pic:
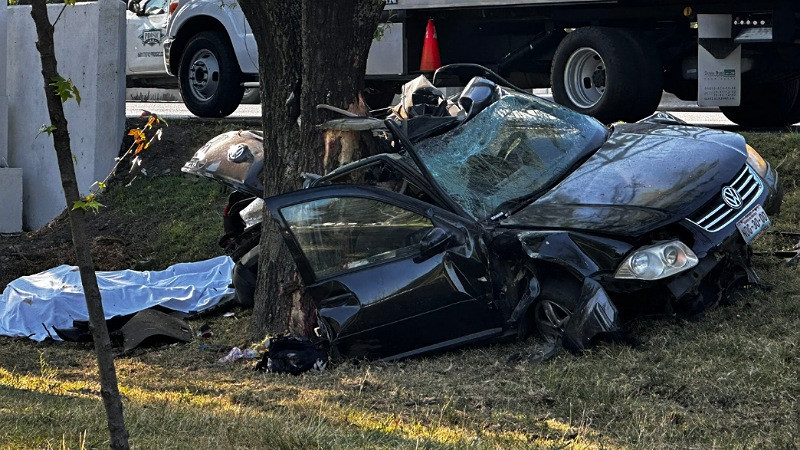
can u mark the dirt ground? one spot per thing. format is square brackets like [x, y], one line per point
[120, 239]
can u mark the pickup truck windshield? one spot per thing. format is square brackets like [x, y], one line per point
[513, 149]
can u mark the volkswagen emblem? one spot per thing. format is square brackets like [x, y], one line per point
[238, 153]
[731, 197]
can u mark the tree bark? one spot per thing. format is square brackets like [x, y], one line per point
[318, 51]
[109, 389]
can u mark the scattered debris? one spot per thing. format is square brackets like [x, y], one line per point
[205, 331]
[294, 355]
[150, 327]
[236, 354]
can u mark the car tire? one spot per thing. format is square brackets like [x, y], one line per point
[209, 76]
[766, 105]
[554, 307]
[607, 73]
[252, 96]
[245, 275]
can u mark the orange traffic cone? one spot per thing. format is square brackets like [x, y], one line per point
[430, 50]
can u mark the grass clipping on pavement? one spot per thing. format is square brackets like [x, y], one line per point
[729, 380]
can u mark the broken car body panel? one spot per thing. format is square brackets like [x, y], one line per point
[235, 158]
[361, 253]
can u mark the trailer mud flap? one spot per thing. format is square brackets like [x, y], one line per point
[719, 62]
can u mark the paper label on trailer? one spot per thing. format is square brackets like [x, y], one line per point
[719, 62]
[719, 80]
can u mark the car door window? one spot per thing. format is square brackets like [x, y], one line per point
[344, 233]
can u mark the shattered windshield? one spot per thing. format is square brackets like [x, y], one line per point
[514, 148]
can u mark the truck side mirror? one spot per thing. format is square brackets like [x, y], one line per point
[133, 6]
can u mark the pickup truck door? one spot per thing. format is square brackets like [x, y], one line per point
[145, 35]
[391, 276]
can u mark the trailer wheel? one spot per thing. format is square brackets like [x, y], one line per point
[766, 105]
[607, 73]
[209, 75]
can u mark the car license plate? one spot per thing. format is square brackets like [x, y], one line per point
[753, 223]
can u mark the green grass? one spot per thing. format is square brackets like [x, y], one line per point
[188, 221]
[729, 380]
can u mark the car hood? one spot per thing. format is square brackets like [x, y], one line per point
[234, 159]
[645, 176]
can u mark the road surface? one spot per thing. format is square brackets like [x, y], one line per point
[708, 117]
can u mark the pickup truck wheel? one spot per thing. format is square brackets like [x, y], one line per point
[766, 105]
[209, 75]
[606, 73]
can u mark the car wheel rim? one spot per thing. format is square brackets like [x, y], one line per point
[204, 75]
[585, 77]
[550, 319]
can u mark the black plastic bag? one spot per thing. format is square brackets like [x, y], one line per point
[292, 355]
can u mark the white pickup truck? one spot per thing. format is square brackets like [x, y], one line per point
[210, 47]
[146, 26]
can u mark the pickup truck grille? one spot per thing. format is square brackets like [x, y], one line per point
[717, 214]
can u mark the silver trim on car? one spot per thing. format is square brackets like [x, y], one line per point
[719, 215]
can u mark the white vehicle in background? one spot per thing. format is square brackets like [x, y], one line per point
[146, 26]
[211, 49]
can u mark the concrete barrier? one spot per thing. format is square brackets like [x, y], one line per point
[10, 200]
[90, 46]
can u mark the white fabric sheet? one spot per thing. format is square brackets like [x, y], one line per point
[54, 298]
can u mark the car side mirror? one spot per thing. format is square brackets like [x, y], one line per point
[435, 241]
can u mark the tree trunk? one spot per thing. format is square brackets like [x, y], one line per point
[316, 51]
[109, 389]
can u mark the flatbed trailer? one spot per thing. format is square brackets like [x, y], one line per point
[613, 58]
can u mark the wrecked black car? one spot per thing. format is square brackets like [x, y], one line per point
[501, 214]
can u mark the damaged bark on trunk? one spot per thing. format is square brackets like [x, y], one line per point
[109, 389]
[309, 53]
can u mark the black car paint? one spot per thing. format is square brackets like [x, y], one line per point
[643, 177]
[414, 302]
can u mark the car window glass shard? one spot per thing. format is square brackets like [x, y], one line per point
[341, 234]
[513, 149]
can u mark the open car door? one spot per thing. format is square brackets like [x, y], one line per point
[392, 276]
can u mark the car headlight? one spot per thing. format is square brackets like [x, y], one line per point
[657, 261]
[755, 161]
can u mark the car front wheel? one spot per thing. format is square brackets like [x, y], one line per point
[554, 307]
[209, 75]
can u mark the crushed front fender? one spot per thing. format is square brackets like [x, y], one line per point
[596, 315]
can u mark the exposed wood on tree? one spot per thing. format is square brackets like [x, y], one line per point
[321, 47]
[109, 389]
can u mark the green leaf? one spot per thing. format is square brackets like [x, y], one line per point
[45, 129]
[86, 205]
[66, 89]
[70, 2]
[75, 91]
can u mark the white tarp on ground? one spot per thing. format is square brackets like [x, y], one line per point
[54, 298]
